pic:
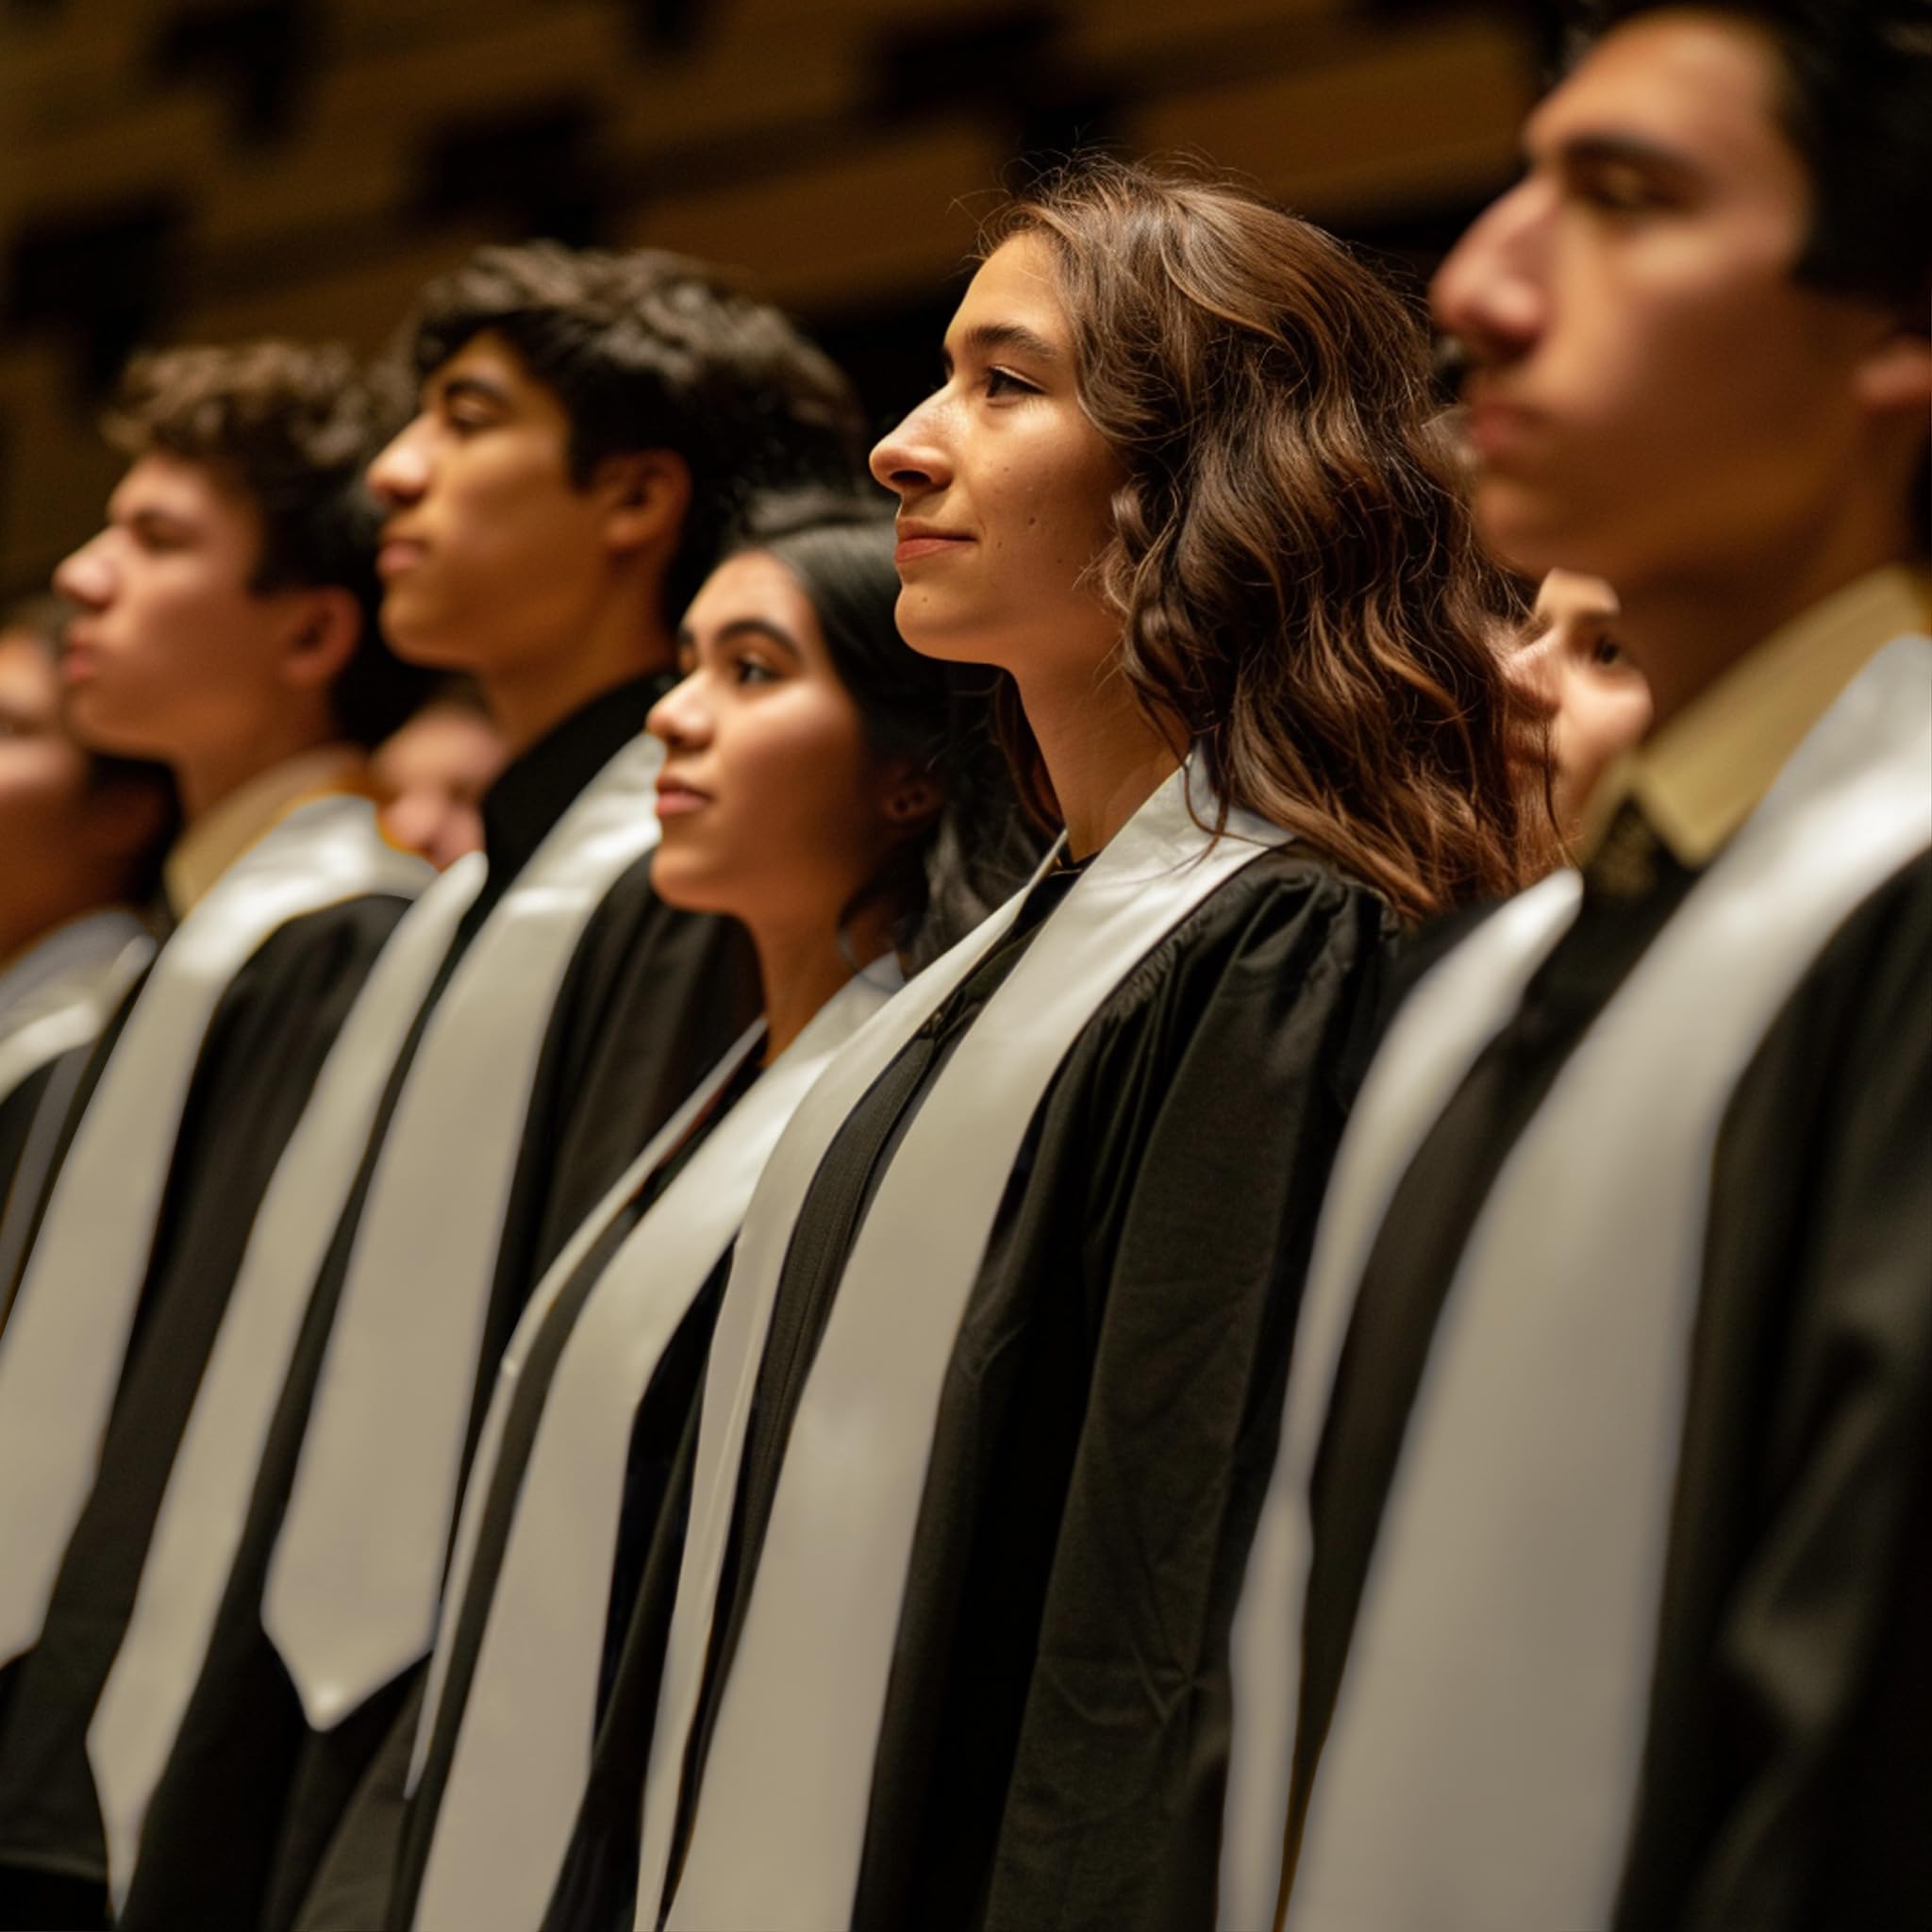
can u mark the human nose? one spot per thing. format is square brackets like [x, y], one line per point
[86, 578]
[912, 459]
[1491, 293]
[682, 717]
[400, 473]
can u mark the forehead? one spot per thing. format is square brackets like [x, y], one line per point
[1571, 596]
[158, 484]
[1014, 288]
[490, 358]
[753, 588]
[1700, 85]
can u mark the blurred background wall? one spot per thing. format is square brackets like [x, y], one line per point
[176, 170]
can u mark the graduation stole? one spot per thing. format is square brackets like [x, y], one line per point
[60, 995]
[357, 1571]
[62, 1350]
[781, 1814]
[528, 1720]
[1492, 1720]
[205, 1505]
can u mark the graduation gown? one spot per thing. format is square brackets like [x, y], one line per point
[250, 1794]
[55, 997]
[1659, 1660]
[267, 1036]
[592, 1401]
[1049, 1749]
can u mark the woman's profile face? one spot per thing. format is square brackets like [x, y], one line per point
[772, 805]
[1005, 488]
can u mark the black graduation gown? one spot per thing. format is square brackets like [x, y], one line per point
[16, 1115]
[266, 1042]
[376, 1866]
[1055, 1731]
[1788, 1754]
[250, 1798]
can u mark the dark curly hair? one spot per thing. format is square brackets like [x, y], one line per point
[949, 871]
[1293, 564]
[647, 350]
[290, 427]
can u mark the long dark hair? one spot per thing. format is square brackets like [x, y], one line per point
[1294, 565]
[953, 868]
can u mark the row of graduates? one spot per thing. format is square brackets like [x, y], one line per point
[568, 1395]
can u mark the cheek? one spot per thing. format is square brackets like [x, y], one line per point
[802, 810]
[41, 785]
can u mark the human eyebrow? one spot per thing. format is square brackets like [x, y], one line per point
[1583, 155]
[457, 389]
[991, 338]
[149, 523]
[745, 628]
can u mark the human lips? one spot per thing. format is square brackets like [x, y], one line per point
[399, 552]
[677, 799]
[917, 540]
[1496, 427]
[79, 658]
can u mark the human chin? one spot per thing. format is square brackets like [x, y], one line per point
[419, 636]
[1530, 529]
[936, 629]
[685, 876]
[114, 722]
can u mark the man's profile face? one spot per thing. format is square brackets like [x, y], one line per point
[1650, 390]
[490, 554]
[171, 648]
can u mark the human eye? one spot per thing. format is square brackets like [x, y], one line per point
[1607, 654]
[1621, 189]
[749, 668]
[1003, 382]
[158, 536]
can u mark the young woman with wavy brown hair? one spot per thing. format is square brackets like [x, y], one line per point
[990, 1413]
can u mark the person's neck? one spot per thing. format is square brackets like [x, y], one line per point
[800, 967]
[1686, 629]
[532, 697]
[203, 778]
[1103, 757]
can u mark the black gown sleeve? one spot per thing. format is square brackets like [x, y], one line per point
[1790, 1757]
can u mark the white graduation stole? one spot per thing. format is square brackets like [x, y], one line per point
[522, 1751]
[1453, 1012]
[204, 1506]
[1492, 1718]
[357, 1572]
[780, 1817]
[60, 994]
[62, 1349]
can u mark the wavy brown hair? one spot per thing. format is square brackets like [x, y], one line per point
[1293, 563]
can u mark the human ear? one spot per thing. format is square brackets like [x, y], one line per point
[1896, 377]
[645, 497]
[325, 625]
[908, 797]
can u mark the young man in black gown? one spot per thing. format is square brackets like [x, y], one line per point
[223, 624]
[587, 427]
[1617, 1567]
